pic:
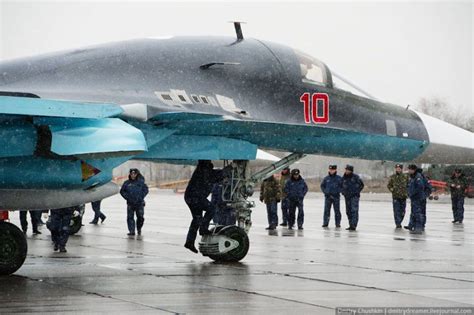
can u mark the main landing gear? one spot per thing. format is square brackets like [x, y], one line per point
[231, 243]
[13, 246]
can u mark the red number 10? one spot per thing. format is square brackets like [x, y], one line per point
[316, 100]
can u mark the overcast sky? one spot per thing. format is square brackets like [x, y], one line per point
[397, 51]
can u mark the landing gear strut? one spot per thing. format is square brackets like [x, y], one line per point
[13, 248]
[231, 243]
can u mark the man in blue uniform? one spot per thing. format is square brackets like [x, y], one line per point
[416, 192]
[331, 187]
[352, 185]
[295, 189]
[285, 203]
[224, 214]
[457, 185]
[59, 223]
[428, 189]
[134, 190]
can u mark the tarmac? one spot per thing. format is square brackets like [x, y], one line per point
[313, 271]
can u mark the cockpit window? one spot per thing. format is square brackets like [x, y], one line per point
[312, 70]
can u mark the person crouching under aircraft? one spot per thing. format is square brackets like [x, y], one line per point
[224, 214]
[195, 196]
[331, 187]
[134, 190]
[352, 185]
[270, 195]
[59, 223]
[296, 190]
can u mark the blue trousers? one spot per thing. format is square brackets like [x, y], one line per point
[59, 227]
[416, 215]
[423, 212]
[285, 205]
[199, 221]
[352, 210]
[457, 203]
[334, 201]
[399, 209]
[295, 203]
[139, 211]
[272, 213]
[97, 213]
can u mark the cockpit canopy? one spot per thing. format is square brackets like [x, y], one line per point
[313, 71]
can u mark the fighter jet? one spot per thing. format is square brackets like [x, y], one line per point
[68, 119]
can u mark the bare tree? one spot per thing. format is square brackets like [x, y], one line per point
[439, 108]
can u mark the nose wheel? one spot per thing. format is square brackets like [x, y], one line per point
[225, 244]
[13, 248]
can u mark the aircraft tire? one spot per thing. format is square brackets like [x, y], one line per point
[237, 254]
[76, 224]
[13, 248]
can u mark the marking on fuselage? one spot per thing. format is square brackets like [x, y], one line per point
[312, 103]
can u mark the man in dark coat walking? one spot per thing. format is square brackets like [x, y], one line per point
[134, 190]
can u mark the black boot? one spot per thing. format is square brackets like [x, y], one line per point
[191, 247]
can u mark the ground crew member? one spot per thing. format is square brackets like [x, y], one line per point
[397, 185]
[224, 215]
[270, 194]
[59, 225]
[134, 190]
[195, 196]
[35, 216]
[427, 192]
[331, 187]
[352, 185]
[295, 189]
[285, 203]
[457, 185]
[416, 192]
[97, 212]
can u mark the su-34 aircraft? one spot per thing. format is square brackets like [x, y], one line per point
[68, 119]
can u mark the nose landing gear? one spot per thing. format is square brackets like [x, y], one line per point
[231, 243]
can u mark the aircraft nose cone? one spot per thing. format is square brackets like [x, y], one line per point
[448, 144]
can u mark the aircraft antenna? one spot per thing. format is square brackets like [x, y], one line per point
[238, 30]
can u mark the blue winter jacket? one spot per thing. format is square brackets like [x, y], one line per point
[331, 185]
[416, 187]
[352, 185]
[134, 191]
[296, 189]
